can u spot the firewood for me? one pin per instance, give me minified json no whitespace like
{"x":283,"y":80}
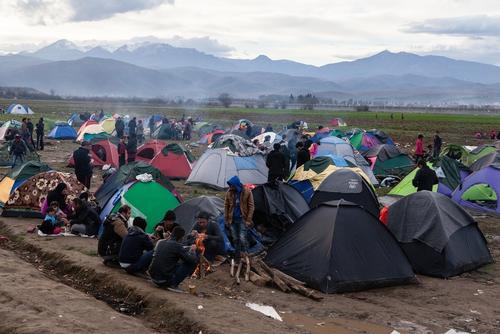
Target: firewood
{"x":258,"y":280}
{"x":301,"y":290}
{"x":287,"y":278}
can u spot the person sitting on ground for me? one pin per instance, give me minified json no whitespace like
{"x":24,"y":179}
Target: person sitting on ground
{"x":136,"y":251}
{"x":425,"y":178}
{"x":59,"y":195}
{"x":172,"y":262}
{"x":213,"y":239}
{"x":303,"y":155}
{"x":92,"y":204}
{"x":164,"y":228}
{"x":276,"y":163}
{"x":83,"y":220}
{"x":50,"y":224}
{"x":114,"y":230}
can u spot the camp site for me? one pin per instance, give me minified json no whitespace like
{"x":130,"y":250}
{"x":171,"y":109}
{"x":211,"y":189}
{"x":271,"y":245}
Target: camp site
{"x":249,"y":167}
{"x":344,"y":241}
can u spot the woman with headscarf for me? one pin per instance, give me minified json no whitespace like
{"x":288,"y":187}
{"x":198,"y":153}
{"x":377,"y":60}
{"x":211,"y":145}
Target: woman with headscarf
{"x":59,"y":195}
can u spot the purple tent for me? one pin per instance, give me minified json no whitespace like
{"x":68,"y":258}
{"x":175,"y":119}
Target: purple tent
{"x":489,"y":176}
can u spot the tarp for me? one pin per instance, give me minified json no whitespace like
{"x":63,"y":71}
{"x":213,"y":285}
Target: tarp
{"x":236,"y":144}
{"x":339,"y":247}
{"x":216,"y":166}
{"x":438,"y":236}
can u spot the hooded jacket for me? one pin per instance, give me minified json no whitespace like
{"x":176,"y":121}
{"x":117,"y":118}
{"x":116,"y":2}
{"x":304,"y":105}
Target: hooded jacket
{"x":134,"y":244}
{"x":114,"y":230}
{"x":247,"y":206}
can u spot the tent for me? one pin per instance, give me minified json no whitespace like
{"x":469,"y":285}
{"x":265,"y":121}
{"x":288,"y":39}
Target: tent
{"x":149,"y":200}
{"x":164,"y":132}
{"x":381,"y":136}
{"x":262,"y":137}
{"x":61,"y":131}
{"x":91,"y":131}
{"x":108,"y":124}
{"x":174,"y":161}
{"x":490,"y":159}
{"x":478,"y":153}
{"x":203,"y":128}
{"x":103,"y":152}
{"x":216,"y":166}
{"x":210,"y":137}
{"x":439,"y":237}
{"x":9,"y":128}
{"x":149,"y":149}
{"x":85,"y":124}
{"x":6,"y":159}
{"x":186,"y":212}
{"x":277,"y":206}
{"x":320,"y":134}
{"x":12,"y":180}
{"x":363,"y":141}
{"x":388,"y":160}
{"x":127,"y":174}
{"x":340,"y":247}
{"x":480,"y":190}
{"x":75,"y":120}
{"x":236,"y":144}
{"x":19,"y":109}
{"x":27,"y":199}
{"x":335,"y":122}
{"x":345,"y":183}
{"x":456,"y":152}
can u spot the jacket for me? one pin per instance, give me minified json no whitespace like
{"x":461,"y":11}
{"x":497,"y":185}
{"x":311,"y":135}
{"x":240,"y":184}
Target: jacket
{"x":82,"y":161}
{"x":166,"y":256}
{"x":88,"y":217}
{"x":213,"y":234}
{"x":303,"y":156}
{"x":276,"y":163}
{"x":18,"y":147}
{"x":40,"y":128}
{"x":134,"y":244}
{"x":425,"y":179}
{"x":419,"y":147}
{"x":114,"y":230}
{"x":246,"y":201}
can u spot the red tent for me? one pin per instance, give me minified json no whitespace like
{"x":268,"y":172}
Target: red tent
{"x":210,"y":137}
{"x":149,"y":150}
{"x":174,"y":162}
{"x":103,"y":152}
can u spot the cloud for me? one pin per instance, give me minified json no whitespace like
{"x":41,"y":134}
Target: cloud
{"x":56,"y":11}
{"x":472,"y":26}
{"x":204,"y":44}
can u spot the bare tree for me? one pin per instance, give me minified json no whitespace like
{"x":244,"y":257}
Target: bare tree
{"x":225,"y":99}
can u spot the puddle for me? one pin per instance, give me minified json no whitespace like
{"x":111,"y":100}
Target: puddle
{"x":336,"y":325}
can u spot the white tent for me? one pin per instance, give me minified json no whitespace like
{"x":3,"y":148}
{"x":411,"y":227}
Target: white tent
{"x":19,"y":109}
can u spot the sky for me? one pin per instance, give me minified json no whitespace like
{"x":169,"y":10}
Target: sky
{"x":315,"y":32}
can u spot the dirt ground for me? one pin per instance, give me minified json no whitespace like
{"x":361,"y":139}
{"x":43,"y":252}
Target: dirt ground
{"x":42,"y":278}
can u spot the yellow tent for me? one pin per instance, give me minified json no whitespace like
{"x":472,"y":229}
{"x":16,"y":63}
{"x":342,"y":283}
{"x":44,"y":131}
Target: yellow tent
{"x":108,"y":124}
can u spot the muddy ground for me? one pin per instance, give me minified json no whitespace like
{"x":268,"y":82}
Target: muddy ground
{"x":42,"y":278}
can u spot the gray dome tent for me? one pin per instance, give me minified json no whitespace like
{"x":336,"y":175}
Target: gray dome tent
{"x":339,"y":247}
{"x":186,"y":212}
{"x":439,"y":237}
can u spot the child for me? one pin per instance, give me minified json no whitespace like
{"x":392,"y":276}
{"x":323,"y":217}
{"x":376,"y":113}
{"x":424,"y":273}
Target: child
{"x":50,"y":224}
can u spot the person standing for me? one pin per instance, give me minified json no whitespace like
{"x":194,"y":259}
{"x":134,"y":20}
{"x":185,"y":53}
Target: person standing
{"x":303,"y":154}
{"x":83,"y":164}
{"x":140,"y":132}
{"x":238,"y":214}
{"x":40,"y":129}
{"x":131,"y":148}
{"x":119,"y":127}
{"x":172,"y":262}
{"x":132,"y":126}
{"x":122,"y":152}
{"x":276,"y":163}
{"x":419,"y":147}
{"x":425,"y":178}
{"x":151,"y":125}
{"x":31,"y":128}
{"x":438,"y":143}
{"x":17,"y":150}
{"x":188,"y":127}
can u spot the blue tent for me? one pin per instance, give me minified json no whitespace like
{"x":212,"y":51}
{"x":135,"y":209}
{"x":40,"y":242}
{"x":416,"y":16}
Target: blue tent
{"x":62,"y":131}
{"x":75,"y":120}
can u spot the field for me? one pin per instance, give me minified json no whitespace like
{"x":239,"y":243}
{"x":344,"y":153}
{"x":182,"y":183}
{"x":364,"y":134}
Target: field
{"x":46,"y":282}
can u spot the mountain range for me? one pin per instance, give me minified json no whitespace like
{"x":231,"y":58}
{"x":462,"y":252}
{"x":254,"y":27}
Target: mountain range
{"x":162,"y":70}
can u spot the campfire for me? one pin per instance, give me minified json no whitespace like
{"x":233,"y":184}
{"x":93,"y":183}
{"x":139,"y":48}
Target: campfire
{"x":203,"y":266}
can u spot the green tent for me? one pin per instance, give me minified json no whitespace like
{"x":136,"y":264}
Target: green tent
{"x":149,"y":200}
{"x":478,"y":153}
{"x":405,"y":187}
{"x":480,"y":193}
{"x":456,"y":152}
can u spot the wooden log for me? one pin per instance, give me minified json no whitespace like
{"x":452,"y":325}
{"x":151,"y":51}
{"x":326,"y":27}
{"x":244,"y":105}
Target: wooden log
{"x":301,"y":290}
{"x":259,"y":280}
{"x":286,"y":277}
{"x":275,"y":278}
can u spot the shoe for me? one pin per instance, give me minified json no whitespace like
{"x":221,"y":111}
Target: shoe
{"x":175,"y":289}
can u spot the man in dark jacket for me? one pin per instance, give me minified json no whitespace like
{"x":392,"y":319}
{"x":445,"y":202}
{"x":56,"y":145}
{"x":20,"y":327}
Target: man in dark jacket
{"x":172,"y":262}
{"x":276,"y":163}
{"x":136,"y":251}
{"x":132,"y":126}
{"x":17,"y":149}
{"x":303,"y":154}
{"x":210,"y":231}
{"x":131,"y":148}
{"x":122,"y":152}
{"x":84,"y":219}
{"x":31,"y":128}
{"x":151,"y":125}
{"x":114,"y":230}
{"x":40,"y":128}
{"x":83,"y":164}
{"x":425,"y":178}
{"x":119,"y":127}
{"x":438,"y":143}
